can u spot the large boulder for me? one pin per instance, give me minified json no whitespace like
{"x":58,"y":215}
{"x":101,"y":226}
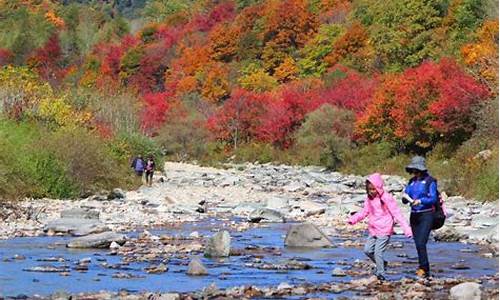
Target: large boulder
{"x":80,"y":213}
{"x":98,"y":240}
{"x":466,"y":291}
{"x":196,"y":268}
{"x":75,"y":227}
{"x":294,"y":187}
{"x":116,"y":194}
{"x":266,"y":215}
{"x":278,"y":203}
{"x":489,"y":234}
{"x":245,"y":208}
{"x":484,"y":221}
{"x":219,"y":245}
{"x":306,"y":235}
{"x":310,"y":208}
{"x":448,"y":234}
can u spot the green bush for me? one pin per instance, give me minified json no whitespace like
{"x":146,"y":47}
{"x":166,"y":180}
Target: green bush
{"x":324,"y":137}
{"x":464,"y":173}
{"x":35,"y":162}
{"x":88,"y":161}
{"x":184,"y":135}
{"x":376,"y":157}
{"x":255,"y":152}
{"x":50,"y":176}
{"x":126,"y":146}
{"x":29,"y":170}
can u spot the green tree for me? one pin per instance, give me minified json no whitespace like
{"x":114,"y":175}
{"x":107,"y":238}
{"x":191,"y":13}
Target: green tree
{"x":401,"y":31}
{"x":325,"y":136}
{"x":22,"y":31}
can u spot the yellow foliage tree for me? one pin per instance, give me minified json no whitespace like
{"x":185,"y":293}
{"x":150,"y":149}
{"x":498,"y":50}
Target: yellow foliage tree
{"x":258,"y":81}
{"x":287,"y":70}
{"x":56,"y":110}
{"x":482,"y":56}
{"x":20,"y":92}
{"x":24,"y":95}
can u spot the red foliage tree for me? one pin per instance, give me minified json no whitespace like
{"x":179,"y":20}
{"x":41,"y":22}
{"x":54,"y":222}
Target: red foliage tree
{"x":48,"y":61}
{"x":150,"y":74}
{"x":237,"y":120}
{"x":5,"y":57}
{"x":169,"y":35}
{"x":154,"y":111}
{"x":423,"y":105}
{"x":111,"y":56}
{"x":220,"y":13}
{"x":353,"y":92}
{"x":285,"y":114}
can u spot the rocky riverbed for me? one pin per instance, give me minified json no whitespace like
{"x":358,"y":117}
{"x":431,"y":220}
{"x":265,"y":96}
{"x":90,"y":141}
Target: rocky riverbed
{"x":239,"y":199}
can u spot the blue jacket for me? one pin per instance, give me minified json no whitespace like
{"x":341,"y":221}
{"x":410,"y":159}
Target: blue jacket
{"x":417,"y":189}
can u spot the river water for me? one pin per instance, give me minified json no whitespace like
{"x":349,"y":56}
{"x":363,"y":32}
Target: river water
{"x":233,"y":271}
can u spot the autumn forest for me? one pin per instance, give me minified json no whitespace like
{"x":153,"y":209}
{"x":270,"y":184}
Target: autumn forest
{"x":352,"y":85}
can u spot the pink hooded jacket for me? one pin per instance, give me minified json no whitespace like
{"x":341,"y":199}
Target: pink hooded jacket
{"x":382,"y":211}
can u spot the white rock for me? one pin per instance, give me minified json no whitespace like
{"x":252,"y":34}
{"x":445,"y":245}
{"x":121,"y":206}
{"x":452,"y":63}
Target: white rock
{"x":466,"y":291}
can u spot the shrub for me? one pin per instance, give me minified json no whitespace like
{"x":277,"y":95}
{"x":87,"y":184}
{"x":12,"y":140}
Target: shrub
{"x":376,"y":157}
{"x":324,"y":137}
{"x":87,"y":160}
{"x":118,"y":109}
{"x":184,"y":134}
{"x":255,"y":152}
{"x":126,"y":146}
{"x":464,"y":173}
{"x":51,"y":176}
{"x":28,"y":170}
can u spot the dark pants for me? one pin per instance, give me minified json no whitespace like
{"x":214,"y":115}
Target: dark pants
{"x":149,"y":177}
{"x":421,"y":225}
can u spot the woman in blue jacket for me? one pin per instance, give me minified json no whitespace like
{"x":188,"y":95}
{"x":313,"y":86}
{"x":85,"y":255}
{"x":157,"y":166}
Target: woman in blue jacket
{"x":422,"y":188}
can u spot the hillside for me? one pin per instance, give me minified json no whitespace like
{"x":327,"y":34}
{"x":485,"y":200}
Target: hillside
{"x":355,"y":86}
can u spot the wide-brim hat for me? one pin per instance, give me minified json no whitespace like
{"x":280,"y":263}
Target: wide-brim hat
{"x":417,"y":163}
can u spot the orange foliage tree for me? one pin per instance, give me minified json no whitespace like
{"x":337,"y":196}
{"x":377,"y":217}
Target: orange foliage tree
{"x":289,"y":23}
{"x":215,"y":86}
{"x":351,"y":45}
{"x":223,"y":41}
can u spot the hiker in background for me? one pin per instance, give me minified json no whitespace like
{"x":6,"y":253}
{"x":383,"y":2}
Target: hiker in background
{"x":138,"y":165}
{"x":150,"y":168}
{"x":381,"y":210}
{"x":422,"y":189}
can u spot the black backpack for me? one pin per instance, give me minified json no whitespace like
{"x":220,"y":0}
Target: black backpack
{"x":439,"y":216}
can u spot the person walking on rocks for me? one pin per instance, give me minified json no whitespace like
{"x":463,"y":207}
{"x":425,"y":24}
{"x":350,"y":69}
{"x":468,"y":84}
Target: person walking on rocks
{"x":382,"y":210}
{"x":422,"y":188}
{"x":150,"y":168}
{"x":138,"y":165}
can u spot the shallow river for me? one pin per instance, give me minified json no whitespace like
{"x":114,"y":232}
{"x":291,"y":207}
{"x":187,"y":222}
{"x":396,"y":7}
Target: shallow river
{"x":233,"y":271}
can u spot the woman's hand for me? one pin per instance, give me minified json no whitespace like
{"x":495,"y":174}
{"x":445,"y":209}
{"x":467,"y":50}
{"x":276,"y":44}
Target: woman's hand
{"x":416,"y":202}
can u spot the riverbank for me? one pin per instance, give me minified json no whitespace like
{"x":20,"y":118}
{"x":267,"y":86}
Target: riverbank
{"x":187,"y":193}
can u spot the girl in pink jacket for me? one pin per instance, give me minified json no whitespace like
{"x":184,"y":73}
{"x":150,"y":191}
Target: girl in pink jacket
{"x":381,"y":210}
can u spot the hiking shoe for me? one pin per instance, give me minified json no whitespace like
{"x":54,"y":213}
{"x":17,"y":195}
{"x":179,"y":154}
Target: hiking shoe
{"x":422,"y":273}
{"x":381,"y":278}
